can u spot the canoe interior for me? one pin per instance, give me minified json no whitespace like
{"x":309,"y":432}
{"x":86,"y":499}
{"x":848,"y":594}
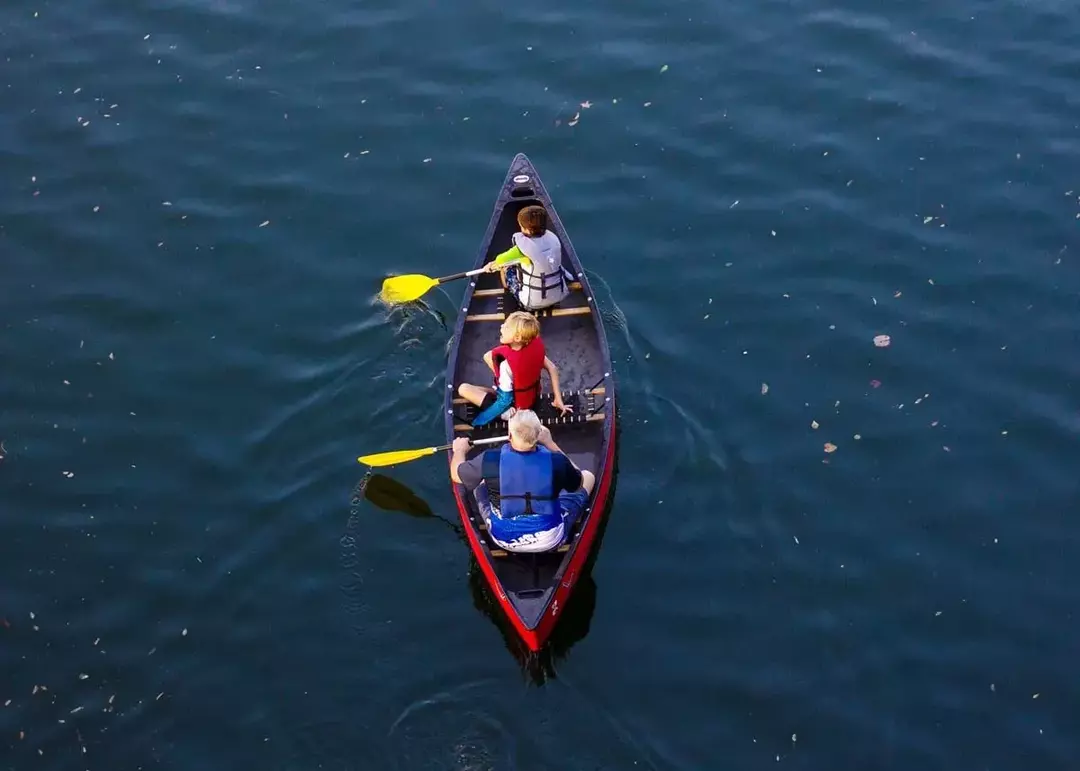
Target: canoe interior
{"x":574,"y":342}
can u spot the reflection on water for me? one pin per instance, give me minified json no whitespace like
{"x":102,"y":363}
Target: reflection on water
{"x":391,"y":495}
{"x":538,"y":666}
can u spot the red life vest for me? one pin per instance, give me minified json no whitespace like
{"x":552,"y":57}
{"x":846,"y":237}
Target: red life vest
{"x":526,"y":365}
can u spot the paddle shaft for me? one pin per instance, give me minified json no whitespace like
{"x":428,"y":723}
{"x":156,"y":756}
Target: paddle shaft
{"x":456,"y":276}
{"x":492,"y":440}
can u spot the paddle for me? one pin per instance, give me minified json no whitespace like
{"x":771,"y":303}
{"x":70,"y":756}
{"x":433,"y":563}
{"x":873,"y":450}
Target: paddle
{"x":395,"y":457}
{"x":412,"y":286}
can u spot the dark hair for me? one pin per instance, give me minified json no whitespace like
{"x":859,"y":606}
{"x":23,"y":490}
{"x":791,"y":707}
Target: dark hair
{"x":533,"y":220}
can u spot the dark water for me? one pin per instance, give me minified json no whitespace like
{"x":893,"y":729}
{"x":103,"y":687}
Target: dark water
{"x":198,"y":203}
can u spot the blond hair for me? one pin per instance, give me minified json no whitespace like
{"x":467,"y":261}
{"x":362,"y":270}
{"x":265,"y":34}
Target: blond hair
{"x":525,"y":427}
{"x":523,"y":326}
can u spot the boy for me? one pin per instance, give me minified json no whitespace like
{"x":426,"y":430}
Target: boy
{"x":516,"y":364}
{"x":532,"y":267}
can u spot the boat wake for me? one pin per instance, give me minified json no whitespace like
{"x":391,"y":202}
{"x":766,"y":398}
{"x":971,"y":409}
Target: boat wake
{"x":482,"y":725}
{"x":455,"y":729}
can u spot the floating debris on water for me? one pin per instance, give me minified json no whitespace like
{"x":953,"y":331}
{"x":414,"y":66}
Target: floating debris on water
{"x":830,"y":447}
{"x":882,"y":341}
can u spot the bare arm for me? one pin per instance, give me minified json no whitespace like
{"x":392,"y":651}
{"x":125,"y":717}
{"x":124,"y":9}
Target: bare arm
{"x":460,"y":450}
{"x":490,"y":361}
{"x":546,"y":440}
{"x":553,"y":373}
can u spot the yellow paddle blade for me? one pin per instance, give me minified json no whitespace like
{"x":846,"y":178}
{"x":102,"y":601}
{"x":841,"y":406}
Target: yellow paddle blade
{"x":403,"y":289}
{"x":395,"y":457}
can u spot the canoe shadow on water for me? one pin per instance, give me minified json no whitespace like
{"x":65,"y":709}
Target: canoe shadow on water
{"x":537,"y":667}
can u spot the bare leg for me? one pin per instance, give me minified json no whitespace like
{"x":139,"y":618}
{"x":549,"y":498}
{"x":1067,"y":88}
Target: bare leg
{"x":474,"y":394}
{"x":588,"y":481}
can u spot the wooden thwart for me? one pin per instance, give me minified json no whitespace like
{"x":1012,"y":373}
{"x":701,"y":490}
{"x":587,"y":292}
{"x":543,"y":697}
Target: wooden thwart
{"x":574,"y":286}
{"x":583,"y":310}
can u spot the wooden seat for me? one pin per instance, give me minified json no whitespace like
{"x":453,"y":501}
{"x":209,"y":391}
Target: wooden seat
{"x":588,"y":406}
{"x":566,"y":395}
{"x":564,"y":420}
{"x":504,"y":553}
{"x":500,"y":316}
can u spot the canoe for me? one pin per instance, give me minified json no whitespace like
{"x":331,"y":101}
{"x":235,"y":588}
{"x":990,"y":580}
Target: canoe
{"x":532,"y":589}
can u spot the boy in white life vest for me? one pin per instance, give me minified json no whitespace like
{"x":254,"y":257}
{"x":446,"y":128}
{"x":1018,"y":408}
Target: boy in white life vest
{"x":516,"y":364}
{"x":532,"y":268}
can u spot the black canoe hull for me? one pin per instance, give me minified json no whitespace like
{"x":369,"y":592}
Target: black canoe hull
{"x":533,"y":589}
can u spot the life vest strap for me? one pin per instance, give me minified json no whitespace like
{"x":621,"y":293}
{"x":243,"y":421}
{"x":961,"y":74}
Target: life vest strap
{"x":558,"y":276}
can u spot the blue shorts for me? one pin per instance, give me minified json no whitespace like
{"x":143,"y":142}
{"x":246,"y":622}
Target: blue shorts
{"x":513,"y":280}
{"x":494,"y":405}
{"x":573,"y":506}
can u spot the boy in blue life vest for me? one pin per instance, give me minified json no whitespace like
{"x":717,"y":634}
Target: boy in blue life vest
{"x":532,"y":268}
{"x":529,"y":492}
{"x":516,"y":364}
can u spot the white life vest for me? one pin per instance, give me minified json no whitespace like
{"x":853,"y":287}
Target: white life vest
{"x":543,"y":283}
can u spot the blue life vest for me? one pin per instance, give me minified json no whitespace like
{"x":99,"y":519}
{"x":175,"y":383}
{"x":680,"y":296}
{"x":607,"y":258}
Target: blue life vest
{"x":521,"y":485}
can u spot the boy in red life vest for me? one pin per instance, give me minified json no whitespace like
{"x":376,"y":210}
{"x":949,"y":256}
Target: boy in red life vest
{"x":516,"y":364}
